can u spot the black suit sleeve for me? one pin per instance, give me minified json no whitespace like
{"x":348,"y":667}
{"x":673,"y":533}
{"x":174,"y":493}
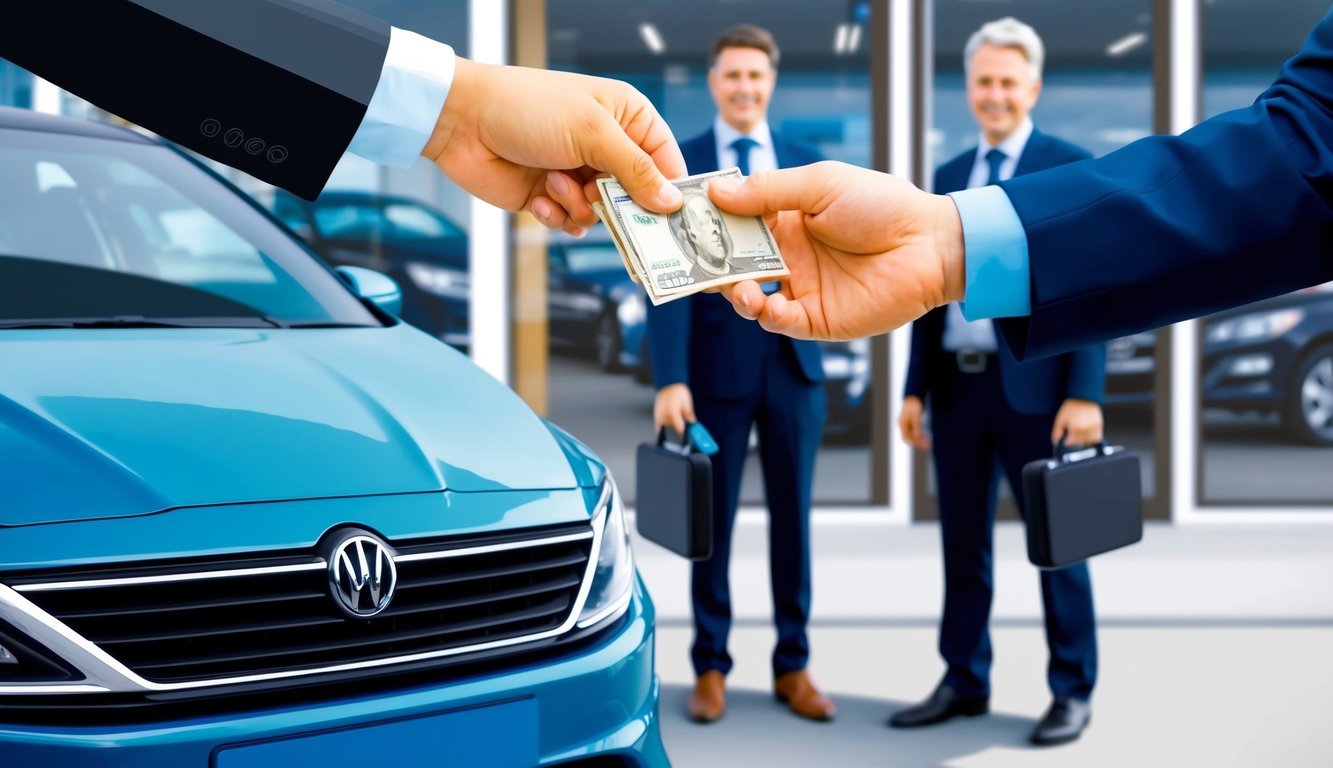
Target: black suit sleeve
{"x":275,"y":88}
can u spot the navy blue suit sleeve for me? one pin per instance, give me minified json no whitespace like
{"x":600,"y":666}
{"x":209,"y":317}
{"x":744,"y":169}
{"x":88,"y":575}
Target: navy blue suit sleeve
{"x":915,"y":385}
{"x":669,"y":341}
{"x":1087,"y":373}
{"x":1174,"y":227}
{"x":270,"y":87}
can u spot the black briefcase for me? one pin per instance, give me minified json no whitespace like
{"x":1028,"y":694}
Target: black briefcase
{"x":1082,"y":503}
{"x":674,"y":504}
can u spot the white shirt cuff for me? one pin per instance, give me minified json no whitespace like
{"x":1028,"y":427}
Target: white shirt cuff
{"x":414,"y":83}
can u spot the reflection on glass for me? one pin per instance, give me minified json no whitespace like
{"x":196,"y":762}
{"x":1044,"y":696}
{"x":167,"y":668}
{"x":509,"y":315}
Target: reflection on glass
{"x":1266,"y":370}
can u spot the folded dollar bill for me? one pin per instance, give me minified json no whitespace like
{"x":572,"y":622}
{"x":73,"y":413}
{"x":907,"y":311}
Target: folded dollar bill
{"x":697,"y":247}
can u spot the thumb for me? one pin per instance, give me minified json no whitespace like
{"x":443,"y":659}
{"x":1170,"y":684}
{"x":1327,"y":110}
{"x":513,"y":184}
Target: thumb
{"x":789,"y":189}
{"x":614,"y":152}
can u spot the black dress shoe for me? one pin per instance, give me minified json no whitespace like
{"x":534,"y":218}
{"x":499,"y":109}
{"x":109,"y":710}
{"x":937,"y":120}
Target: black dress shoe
{"x":1063,"y":722}
{"x":943,"y":705}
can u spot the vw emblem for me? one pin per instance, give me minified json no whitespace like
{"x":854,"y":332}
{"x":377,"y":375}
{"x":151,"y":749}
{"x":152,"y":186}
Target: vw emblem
{"x":362,"y":576}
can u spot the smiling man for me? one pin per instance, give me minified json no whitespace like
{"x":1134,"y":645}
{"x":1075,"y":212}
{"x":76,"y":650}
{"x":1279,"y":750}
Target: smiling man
{"x":988,"y":411}
{"x":737,"y":376}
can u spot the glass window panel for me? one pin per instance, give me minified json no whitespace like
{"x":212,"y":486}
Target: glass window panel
{"x":1266,"y":370}
{"x":1097,"y":92}
{"x":822,"y":98}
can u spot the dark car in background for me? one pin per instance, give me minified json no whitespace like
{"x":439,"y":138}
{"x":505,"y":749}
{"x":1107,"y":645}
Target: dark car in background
{"x":593,"y":305}
{"x":1274,"y":357}
{"x":847,"y":389}
{"x":416,"y":245}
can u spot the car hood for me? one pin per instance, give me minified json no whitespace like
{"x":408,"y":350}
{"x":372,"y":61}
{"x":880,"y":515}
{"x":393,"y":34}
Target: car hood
{"x":112,"y":423}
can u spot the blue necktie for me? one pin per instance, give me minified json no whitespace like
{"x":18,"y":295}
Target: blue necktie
{"x":995,"y":158}
{"x":743,"y":145}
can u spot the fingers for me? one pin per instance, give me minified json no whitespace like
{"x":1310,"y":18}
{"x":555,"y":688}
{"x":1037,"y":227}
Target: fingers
{"x":792,"y":189}
{"x":778,"y":314}
{"x":746,"y":298}
{"x":568,"y":194}
{"x":775,"y":312}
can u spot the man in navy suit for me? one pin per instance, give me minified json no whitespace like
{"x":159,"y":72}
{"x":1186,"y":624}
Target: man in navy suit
{"x":733,"y":375}
{"x":987,"y":409}
{"x":1236,"y":209}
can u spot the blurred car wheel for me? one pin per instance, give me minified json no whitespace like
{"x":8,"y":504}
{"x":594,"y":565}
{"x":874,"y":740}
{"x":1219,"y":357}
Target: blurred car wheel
{"x":1309,"y":414}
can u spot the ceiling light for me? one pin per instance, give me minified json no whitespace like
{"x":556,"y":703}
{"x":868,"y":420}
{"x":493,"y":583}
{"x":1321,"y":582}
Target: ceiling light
{"x":652,"y":38}
{"x":1126,"y":44}
{"x":854,"y":40}
{"x":840,"y":39}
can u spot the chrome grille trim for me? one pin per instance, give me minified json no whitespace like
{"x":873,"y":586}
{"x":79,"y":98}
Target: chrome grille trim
{"x":128,"y":581}
{"x":104,"y":673}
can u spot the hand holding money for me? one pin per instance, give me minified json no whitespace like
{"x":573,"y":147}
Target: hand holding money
{"x":697,"y":247}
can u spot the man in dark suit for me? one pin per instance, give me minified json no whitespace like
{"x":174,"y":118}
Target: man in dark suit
{"x":988,"y":409}
{"x":733,"y":375}
{"x":281,"y":88}
{"x":1234,"y":210}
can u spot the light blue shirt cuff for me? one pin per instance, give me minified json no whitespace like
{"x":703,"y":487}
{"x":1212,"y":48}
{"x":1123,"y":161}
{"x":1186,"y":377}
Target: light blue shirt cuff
{"x":996,"y":254}
{"x":414,"y":83}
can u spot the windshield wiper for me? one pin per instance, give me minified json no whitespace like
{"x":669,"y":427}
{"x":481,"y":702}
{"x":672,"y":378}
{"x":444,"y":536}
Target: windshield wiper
{"x":138,"y":321}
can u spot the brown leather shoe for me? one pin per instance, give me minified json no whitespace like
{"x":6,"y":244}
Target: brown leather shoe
{"x":708,"y":700}
{"x":798,"y":691}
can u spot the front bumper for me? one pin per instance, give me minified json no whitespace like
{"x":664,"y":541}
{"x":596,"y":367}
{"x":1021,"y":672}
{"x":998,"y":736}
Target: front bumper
{"x":601,"y":700}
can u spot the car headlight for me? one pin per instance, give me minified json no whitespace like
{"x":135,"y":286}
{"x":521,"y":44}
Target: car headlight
{"x":632,"y":310}
{"x":1260,"y":325}
{"x":613,"y":576}
{"x":441,"y":281}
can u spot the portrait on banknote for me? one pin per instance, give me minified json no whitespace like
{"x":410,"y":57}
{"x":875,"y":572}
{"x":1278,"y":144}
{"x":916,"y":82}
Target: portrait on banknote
{"x":701,"y":233}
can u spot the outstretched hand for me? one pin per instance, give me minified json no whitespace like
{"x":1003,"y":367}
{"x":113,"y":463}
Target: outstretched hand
{"x":530,"y":139}
{"x":868,"y":252}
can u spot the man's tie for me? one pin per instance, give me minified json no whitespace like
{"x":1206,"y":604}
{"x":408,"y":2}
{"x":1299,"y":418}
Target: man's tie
{"x":995,"y":158}
{"x":743,"y":145}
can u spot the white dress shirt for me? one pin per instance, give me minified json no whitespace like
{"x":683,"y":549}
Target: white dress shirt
{"x":762,"y":157}
{"x":402,"y":114}
{"x":959,"y":333}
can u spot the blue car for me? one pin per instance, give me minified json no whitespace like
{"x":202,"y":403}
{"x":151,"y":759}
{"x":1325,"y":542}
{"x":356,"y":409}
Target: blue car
{"x":250,"y":518}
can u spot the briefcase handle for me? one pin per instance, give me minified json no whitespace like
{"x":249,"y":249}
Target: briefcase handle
{"x":695,"y":440}
{"x":1063,"y":454}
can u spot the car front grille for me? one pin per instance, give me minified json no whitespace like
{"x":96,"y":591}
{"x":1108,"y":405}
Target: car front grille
{"x":257,"y":619}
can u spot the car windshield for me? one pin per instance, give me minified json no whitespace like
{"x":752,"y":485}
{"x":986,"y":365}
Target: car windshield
{"x":593,"y":257}
{"x":104,"y":233}
{"x":388,"y":222}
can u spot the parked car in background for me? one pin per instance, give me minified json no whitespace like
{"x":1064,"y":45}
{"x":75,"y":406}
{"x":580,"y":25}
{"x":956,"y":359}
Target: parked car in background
{"x":1275,"y":356}
{"x":593,"y":305}
{"x":1272,"y":357}
{"x":419,"y":247}
{"x":847,"y":390}
{"x":251,"y":518}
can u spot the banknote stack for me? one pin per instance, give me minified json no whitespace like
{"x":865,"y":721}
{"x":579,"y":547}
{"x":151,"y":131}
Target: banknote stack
{"x":697,"y":247}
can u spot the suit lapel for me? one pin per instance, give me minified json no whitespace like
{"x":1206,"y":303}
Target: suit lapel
{"x":1033,"y":151}
{"x":701,"y":153}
